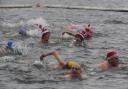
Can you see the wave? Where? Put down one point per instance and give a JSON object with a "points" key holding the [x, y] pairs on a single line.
{"points": [[114, 22], [6, 51]]}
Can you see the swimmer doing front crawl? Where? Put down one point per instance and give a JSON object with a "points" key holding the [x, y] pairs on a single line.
{"points": [[11, 48], [112, 61], [78, 32], [75, 68], [42, 31]]}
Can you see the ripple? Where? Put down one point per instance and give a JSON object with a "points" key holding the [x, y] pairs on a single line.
{"points": [[114, 21], [28, 80]]}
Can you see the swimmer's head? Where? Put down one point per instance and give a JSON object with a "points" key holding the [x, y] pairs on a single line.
{"points": [[85, 34], [71, 64], [22, 31], [89, 31], [78, 38], [45, 37], [9, 44], [76, 71], [112, 58], [45, 33]]}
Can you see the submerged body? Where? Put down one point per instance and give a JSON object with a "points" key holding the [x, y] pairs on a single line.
{"points": [[43, 33], [72, 65], [13, 49], [112, 61], [7, 51], [79, 33]]}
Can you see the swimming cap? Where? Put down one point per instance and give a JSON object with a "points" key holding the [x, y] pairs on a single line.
{"points": [[82, 35], [43, 29], [22, 31], [71, 64], [111, 54], [89, 31], [9, 44]]}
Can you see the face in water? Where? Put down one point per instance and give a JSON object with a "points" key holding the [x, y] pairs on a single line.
{"points": [[112, 58], [45, 37], [114, 62]]}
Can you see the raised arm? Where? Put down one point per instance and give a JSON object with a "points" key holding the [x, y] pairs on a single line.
{"points": [[55, 54]]}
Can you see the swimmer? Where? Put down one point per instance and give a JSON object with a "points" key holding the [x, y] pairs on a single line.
{"points": [[112, 61], [9, 49], [79, 33], [41, 32], [45, 34], [76, 71]]}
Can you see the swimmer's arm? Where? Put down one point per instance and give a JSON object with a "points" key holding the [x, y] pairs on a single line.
{"points": [[69, 77], [83, 77], [57, 67], [55, 54], [66, 77], [97, 65], [102, 66], [94, 65], [71, 34]]}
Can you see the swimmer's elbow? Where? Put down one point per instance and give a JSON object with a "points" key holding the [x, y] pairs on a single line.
{"points": [[95, 66], [54, 53], [83, 77]]}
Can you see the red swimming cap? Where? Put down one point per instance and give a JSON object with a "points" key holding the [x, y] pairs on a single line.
{"points": [[112, 54], [85, 34], [43, 29]]}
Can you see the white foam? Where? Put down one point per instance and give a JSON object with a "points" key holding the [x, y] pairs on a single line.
{"points": [[34, 33], [39, 20], [67, 35], [37, 63], [22, 48]]}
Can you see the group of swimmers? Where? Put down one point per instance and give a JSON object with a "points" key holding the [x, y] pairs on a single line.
{"points": [[111, 61], [79, 33]]}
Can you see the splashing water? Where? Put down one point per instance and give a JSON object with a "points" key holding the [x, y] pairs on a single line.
{"points": [[39, 20], [7, 59], [22, 47]]}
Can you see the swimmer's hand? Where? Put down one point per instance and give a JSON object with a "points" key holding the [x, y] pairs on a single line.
{"points": [[83, 77], [42, 57]]}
